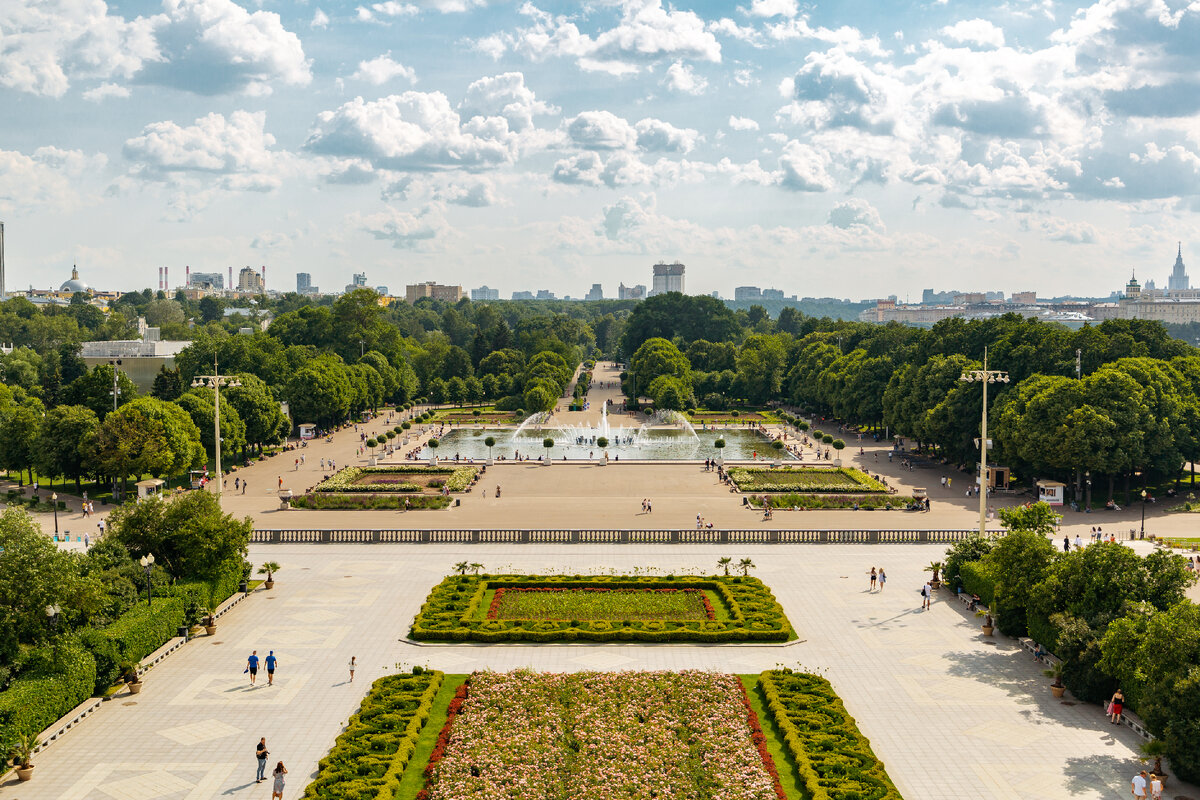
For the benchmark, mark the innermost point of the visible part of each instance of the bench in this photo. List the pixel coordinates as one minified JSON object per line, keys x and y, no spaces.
{"x":1049,"y":659}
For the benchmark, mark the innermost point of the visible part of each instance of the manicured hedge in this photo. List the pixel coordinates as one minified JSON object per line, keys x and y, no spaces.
{"x":829,"y":480}
{"x":458,"y":479}
{"x":977,"y":580}
{"x":865,"y":502}
{"x":335,"y":502}
{"x":369,"y":757}
{"x":450,"y":613}
{"x":834,"y":760}
{"x":43,"y":694}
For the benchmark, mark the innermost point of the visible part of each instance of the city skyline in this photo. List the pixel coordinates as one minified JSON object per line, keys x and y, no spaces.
{"x":1034,"y":146}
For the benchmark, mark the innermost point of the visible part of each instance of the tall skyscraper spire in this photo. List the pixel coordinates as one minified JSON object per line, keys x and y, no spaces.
{"x":1179,"y":278}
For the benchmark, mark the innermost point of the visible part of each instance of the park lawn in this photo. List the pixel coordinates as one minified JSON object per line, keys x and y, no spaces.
{"x":719,"y":607}
{"x":591,"y":604}
{"x":765,"y":416}
{"x":413,"y":779}
{"x":789,"y":777}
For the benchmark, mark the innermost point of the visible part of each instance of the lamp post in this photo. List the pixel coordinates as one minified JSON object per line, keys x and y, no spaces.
{"x":1143,"y":533}
{"x":115,"y":363}
{"x":52,"y":612}
{"x":147,"y":562}
{"x":215,"y":382}
{"x":54,"y":501}
{"x":984,"y":376}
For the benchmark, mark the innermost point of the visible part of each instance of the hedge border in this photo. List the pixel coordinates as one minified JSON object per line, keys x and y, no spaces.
{"x":814,"y":746}
{"x":448,"y":613}
{"x":384,"y":730}
{"x":742,"y":477}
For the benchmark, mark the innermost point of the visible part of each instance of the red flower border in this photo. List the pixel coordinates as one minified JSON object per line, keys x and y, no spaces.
{"x":760,"y":741}
{"x":494,"y":608}
{"x":443,"y":740}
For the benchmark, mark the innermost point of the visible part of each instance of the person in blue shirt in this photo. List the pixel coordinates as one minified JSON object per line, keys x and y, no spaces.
{"x":252,"y":666}
{"x":271,"y":662}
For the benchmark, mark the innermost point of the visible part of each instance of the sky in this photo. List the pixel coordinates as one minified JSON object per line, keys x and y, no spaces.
{"x":848,"y":149}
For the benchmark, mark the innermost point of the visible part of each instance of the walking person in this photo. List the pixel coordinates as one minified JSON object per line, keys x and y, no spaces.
{"x":1116,"y":705}
{"x":874,"y":577}
{"x":926,"y":595}
{"x":1156,"y":787}
{"x":277,"y":788}
{"x":261,"y":753}
{"x":243,"y":487}
{"x":882,"y":578}
{"x":252,"y":666}
{"x":353,"y":665}
{"x":1138,"y":786}
{"x":271,"y":661}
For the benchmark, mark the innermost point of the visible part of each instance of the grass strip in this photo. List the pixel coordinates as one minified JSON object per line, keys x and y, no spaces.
{"x":789,"y":777}
{"x":413,"y":779}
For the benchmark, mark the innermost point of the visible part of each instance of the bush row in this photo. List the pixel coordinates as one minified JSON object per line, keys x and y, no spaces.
{"x":358,"y":501}
{"x":805,"y":479}
{"x":64,"y":677}
{"x":451,"y":612}
{"x":346,"y":480}
{"x":867,"y":502}
{"x":834,"y":760}
{"x":369,"y":757}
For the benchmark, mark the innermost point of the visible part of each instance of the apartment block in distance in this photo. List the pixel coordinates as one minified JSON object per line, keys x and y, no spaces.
{"x":667,"y":278}
{"x":415,"y":291}
{"x":485,"y":293}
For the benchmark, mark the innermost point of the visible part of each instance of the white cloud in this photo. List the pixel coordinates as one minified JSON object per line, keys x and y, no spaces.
{"x":320,"y":20}
{"x":601,"y":130}
{"x":393,"y":9}
{"x":104,"y":91}
{"x":979,"y":32}
{"x":583,"y":169}
{"x":412,"y":131}
{"x":855,"y":212}
{"x":774,"y":8}
{"x":404,"y":229}
{"x":654,"y":134}
{"x":237,"y":149}
{"x":682,"y":78}
{"x":382,"y":69}
{"x":506,"y":96}
{"x":476,"y":193}
{"x":803,"y":169}
{"x":742,"y":124}
{"x":47,"y":179}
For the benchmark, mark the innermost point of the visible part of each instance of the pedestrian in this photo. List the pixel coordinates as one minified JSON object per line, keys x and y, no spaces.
{"x":252,"y":666}
{"x":1116,"y":705}
{"x":1139,"y":784}
{"x":100,"y":525}
{"x":882,"y":578}
{"x":261,"y":753}
{"x":271,"y":662}
{"x":1156,"y":787}
{"x":949,"y":481}
{"x":302,"y":459}
{"x":643,"y":505}
{"x":86,"y":542}
{"x":352,"y":665}
{"x":322,"y":465}
{"x":243,"y":487}
{"x":1066,"y":544}
{"x":874,"y":577}
{"x":1078,"y":542}
{"x":649,"y":506}
{"x":277,"y":789}
{"x":237,"y":484}
{"x":280,"y":481}
{"x":926,"y":594}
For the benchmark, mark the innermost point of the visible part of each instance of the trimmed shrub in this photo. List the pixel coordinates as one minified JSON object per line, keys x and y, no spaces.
{"x":64,"y":678}
{"x":978,"y":579}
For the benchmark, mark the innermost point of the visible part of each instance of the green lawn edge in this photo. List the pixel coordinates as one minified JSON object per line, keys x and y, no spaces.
{"x":789,"y":776}
{"x":413,"y":779}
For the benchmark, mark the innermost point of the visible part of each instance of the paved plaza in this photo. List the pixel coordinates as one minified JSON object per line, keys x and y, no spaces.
{"x":951,"y":713}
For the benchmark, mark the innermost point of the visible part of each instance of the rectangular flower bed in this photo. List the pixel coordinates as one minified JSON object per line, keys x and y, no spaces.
{"x":744,"y":610}
{"x":534,"y":736}
{"x":828,"y":480}
{"x":398,"y":478}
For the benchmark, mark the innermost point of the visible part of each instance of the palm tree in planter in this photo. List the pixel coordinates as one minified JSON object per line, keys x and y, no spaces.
{"x":130,"y":676}
{"x":269,"y":568}
{"x":462,"y":567}
{"x":490,"y":442}
{"x":20,"y":751}
{"x":935,"y":568}
{"x":475,"y":567}
{"x":547,"y":443}
{"x":745,"y":565}
{"x":1055,"y":671}
{"x":724,"y":563}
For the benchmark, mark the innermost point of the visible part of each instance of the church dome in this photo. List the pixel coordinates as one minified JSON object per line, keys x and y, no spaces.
{"x":75,"y":284}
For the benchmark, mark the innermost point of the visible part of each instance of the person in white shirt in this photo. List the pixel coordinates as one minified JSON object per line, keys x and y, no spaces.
{"x":1156,"y":787}
{"x":1139,"y":784}
{"x":1078,"y":542}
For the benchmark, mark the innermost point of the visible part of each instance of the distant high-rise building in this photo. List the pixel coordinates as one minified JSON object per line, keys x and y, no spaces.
{"x":667,"y":278}
{"x":1133,"y":290}
{"x":595,"y":294}
{"x":485,"y":293}
{"x":1024,"y":298}
{"x":303,"y":283}
{"x":772,"y":294}
{"x":522,"y":295}
{"x":436,"y":291}
{"x":1178,"y":282}
{"x":359,"y":281}
{"x":249,"y":280}
{"x":967,"y":298}
{"x":205,"y":280}
{"x":631,"y":292}
{"x":381,"y":290}
{"x":747,"y":293}
{"x":545,"y":294}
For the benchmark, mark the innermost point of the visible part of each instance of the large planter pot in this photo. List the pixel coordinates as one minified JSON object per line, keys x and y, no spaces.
{"x":269,"y":584}
{"x":211,"y":630}
{"x":25,"y":773}
{"x":135,"y":687}
{"x":987,"y":630}
{"x":1057,"y":691}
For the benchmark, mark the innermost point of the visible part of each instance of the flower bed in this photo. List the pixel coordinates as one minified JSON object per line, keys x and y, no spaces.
{"x":372,"y":480}
{"x":595,"y":603}
{"x":834,"y":760}
{"x":370,"y":755}
{"x":527,"y":736}
{"x":455,"y":611}
{"x":829,"y":480}
{"x":865,"y":502}
{"x":360,"y":502}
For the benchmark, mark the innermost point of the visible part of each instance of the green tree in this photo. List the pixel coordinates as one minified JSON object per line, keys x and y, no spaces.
{"x":19,"y":428}
{"x":211,"y":309}
{"x":1038,"y":518}
{"x":199,"y":404}
{"x":1017,"y":562}
{"x":264,"y":420}
{"x":657,"y":358}
{"x":190,"y":537}
{"x":320,"y":393}
{"x":147,"y":436}
{"x":94,"y":390}
{"x":65,"y":442}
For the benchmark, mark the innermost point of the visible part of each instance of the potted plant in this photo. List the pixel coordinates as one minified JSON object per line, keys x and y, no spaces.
{"x":988,"y":623}
{"x":130,"y":676}
{"x":269,"y":568}
{"x":720,"y":445}
{"x":1056,"y":671}
{"x":193,"y":613}
{"x":433,"y":445}
{"x":1156,"y":749}
{"x":489,"y":443}
{"x":936,"y":567}
{"x":547,"y":443}
{"x":21,"y":753}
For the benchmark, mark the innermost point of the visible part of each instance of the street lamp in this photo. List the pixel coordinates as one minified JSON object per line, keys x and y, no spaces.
{"x":52,"y":612}
{"x":985,"y":377}
{"x":54,"y":500}
{"x":147,"y":562}
{"x":215,"y":382}
{"x":1143,"y":533}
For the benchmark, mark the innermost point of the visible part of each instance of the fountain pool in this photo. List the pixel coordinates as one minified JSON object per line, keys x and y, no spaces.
{"x":576,"y":442}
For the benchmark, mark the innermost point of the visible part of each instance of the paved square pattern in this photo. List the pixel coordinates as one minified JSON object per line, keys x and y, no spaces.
{"x":951,"y":713}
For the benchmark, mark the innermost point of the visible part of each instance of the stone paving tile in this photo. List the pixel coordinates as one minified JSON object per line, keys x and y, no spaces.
{"x":952,"y":714}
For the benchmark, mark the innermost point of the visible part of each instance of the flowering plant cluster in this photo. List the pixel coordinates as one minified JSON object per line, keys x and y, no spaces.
{"x":457,"y":610}
{"x":598,"y":602}
{"x":350,"y":479}
{"x":834,"y":760}
{"x":805,"y":479}
{"x":621,"y":736}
